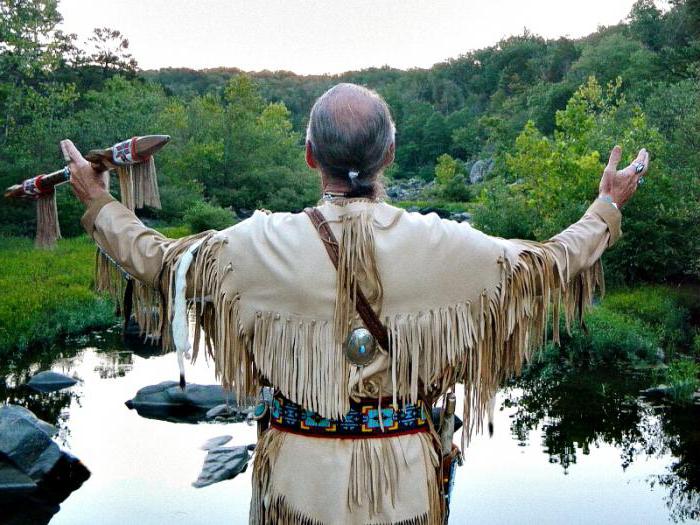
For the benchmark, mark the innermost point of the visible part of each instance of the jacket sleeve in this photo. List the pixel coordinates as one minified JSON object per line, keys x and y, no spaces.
{"x":123,"y":237}
{"x":580,"y":245}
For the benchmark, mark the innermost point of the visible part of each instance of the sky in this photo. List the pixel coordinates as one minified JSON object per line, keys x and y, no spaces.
{"x":327,"y":36}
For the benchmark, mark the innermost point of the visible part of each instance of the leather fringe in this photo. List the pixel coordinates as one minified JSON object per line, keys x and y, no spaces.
{"x":109,"y":279}
{"x":126,"y":186}
{"x":138,"y":184}
{"x":145,"y":179}
{"x":356,"y":264}
{"x":373,"y":471}
{"x":483,"y":344}
{"x":48,"y":230}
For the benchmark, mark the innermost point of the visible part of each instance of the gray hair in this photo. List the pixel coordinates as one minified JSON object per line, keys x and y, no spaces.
{"x":351,"y":132}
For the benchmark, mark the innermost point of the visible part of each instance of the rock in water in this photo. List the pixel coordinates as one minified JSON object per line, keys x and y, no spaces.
{"x":224,"y":411}
{"x":33,"y":468}
{"x":215,"y":442}
{"x":222,"y":463}
{"x":167,"y":401}
{"x":26,"y":441}
{"x":13,"y":480}
{"x":49,"y":381}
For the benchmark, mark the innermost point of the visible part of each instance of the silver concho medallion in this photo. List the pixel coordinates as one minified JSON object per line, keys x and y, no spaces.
{"x":361,"y":347}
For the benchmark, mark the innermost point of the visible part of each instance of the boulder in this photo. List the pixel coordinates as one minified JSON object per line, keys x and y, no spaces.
{"x":13,"y":480}
{"x":225,"y":412}
{"x":49,"y":381}
{"x":33,"y":468}
{"x":167,"y":401}
{"x":222,"y":463}
{"x":480,"y":169}
{"x":215,"y":442}
{"x":26,"y":441}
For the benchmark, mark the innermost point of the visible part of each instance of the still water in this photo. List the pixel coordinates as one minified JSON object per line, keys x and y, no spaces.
{"x":569,"y":447}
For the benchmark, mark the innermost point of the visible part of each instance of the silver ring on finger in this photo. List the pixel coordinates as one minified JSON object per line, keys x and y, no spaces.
{"x":640,"y":181}
{"x":638,"y":167}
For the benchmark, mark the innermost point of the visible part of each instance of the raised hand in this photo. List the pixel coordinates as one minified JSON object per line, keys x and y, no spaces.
{"x":87,"y":182}
{"x":618,"y":186}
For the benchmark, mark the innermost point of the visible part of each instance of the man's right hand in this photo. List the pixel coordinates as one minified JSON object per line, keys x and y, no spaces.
{"x":88,"y":184}
{"x":618,"y":186}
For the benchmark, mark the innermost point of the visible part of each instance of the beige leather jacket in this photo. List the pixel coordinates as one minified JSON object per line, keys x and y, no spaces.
{"x":459,"y":305}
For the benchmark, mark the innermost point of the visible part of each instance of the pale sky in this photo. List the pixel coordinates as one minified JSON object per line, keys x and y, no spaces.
{"x":327,"y":36}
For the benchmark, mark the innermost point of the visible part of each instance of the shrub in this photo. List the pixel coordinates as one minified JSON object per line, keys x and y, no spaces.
{"x":660,"y":308}
{"x":204,"y":216}
{"x":682,"y":377}
{"x":612,"y":336}
{"x":503,"y":211}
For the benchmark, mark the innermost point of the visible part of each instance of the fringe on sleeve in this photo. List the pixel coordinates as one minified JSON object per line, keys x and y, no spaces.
{"x":483,"y":344}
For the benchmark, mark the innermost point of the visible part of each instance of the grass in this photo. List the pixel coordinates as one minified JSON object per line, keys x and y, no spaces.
{"x":682,"y":376}
{"x":633,"y":325}
{"x":48,"y":294}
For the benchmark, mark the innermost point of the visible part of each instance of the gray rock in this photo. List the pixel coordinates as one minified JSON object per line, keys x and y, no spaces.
{"x":35,"y":475}
{"x":49,"y":381}
{"x":657,"y":392}
{"x":480,"y":169}
{"x":13,"y":480}
{"x":222,"y":463}
{"x":26,"y":441}
{"x":461,"y":217}
{"x":223,"y":411}
{"x":169,"y":393}
{"x":215,"y":442}
{"x":406,"y":190}
{"x":167,"y":401}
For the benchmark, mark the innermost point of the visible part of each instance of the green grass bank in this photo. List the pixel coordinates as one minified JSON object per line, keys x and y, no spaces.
{"x":48,"y":294}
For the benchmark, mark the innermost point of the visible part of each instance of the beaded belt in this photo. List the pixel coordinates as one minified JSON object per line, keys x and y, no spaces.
{"x":363,"y":420}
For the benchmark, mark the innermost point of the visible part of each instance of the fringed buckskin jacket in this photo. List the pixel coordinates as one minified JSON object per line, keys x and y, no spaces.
{"x":459,"y":306}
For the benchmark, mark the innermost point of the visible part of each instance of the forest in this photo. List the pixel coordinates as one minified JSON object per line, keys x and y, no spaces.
{"x":515,"y":135}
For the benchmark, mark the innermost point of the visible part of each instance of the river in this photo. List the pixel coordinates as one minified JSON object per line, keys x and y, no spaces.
{"x":570,"y":446}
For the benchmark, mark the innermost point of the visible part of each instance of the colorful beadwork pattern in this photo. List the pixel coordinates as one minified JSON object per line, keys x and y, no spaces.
{"x":362,"y":421}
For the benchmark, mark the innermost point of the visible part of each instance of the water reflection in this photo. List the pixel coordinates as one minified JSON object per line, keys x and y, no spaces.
{"x":608,"y":457}
{"x":576,"y":410}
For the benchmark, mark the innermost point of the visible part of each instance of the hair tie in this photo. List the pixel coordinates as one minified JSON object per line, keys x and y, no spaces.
{"x":353,"y":174}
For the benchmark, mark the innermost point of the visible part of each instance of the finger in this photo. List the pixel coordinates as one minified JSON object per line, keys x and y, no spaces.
{"x":64,"y":150}
{"x":647,"y":160}
{"x":70,"y":152}
{"x":633,"y":168}
{"x":615,"y":156}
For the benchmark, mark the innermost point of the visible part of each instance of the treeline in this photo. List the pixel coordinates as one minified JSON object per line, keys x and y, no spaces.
{"x":537,"y":116}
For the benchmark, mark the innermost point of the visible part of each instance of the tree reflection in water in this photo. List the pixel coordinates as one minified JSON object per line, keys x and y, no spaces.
{"x":579,"y":409}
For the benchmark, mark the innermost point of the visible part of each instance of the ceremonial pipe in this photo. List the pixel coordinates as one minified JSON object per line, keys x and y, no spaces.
{"x":125,"y":153}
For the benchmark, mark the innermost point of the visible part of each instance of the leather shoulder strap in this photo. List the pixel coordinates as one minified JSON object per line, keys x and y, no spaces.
{"x":368,"y":316}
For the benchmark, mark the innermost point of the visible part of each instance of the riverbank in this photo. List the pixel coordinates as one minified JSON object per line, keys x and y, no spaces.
{"x":48,"y":294}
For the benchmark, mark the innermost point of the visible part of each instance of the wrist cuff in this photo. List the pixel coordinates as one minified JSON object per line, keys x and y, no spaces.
{"x":93,"y":209}
{"x":610,"y":215}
